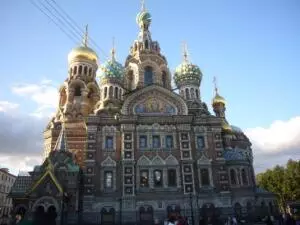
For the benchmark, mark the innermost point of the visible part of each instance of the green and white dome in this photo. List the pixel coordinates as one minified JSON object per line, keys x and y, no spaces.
{"x":143,"y":17}
{"x":187,"y":73}
{"x":111,"y":69}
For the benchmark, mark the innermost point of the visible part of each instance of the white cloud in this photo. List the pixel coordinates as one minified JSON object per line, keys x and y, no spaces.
{"x":6,"y":106}
{"x":44,"y":94}
{"x":275,"y":144}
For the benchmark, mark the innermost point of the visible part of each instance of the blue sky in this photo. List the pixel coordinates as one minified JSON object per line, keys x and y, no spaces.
{"x":251,"y":46}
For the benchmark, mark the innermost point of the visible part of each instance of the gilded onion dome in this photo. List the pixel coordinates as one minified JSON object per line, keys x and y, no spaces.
{"x":226,"y":127}
{"x":83,"y":51}
{"x":218,"y":99}
{"x":187,"y":73}
{"x":111,"y":69}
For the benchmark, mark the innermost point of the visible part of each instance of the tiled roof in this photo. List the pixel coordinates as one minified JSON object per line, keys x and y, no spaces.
{"x":234,"y":154}
{"x":21,"y":184}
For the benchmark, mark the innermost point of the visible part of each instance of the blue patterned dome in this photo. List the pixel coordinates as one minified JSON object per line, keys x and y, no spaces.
{"x":187,"y":73}
{"x":112,"y":68}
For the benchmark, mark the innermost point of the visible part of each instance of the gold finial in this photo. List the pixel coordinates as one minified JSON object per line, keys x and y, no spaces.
{"x":216,"y":86}
{"x":143,"y":5}
{"x":185,"y":52}
{"x":113,"y":50}
{"x":85,"y":36}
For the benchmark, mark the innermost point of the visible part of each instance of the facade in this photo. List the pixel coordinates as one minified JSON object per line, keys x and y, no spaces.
{"x":130,"y":148}
{"x":6,"y":182}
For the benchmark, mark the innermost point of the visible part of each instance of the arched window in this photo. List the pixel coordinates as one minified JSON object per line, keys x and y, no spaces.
{"x":158,"y":178}
{"x":148,"y":76}
{"x":233,"y":177}
{"x":146,"y":44}
{"x":105,"y":92}
{"x":130,"y":80}
{"x":244,"y":177}
{"x":164,"y":79}
{"x":116,"y":92}
{"x":197,"y":94}
{"x":192,"y":93}
{"x":90,"y":71}
{"x":204,"y":177}
{"x":110,"y":92}
{"x":75,"y":70}
{"x":187,"y":93}
{"x":80,"y":69}
{"x":77,"y":92}
{"x":85,"y":70}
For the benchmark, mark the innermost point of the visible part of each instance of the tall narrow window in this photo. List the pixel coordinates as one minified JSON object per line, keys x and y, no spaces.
{"x":164,"y":79}
{"x":90,"y":71}
{"x":109,"y":142}
{"x":187,"y":93}
{"x":156,"y":141}
{"x":172,"y":177}
{"x":116,"y":92}
{"x":233,"y":177}
{"x":200,"y":142}
{"x":143,"y":141}
{"x":192,"y":93}
{"x":80,"y":69}
{"x":108,"y":179}
{"x":75,"y":70}
{"x":205,"y":181}
{"x":144,"y":178}
{"x":169,"y":141}
{"x":244,"y":177}
{"x":110,"y":92}
{"x":157,"y":174}
{"x":197,"y":94}
{"x":85,"y":70}
{"x":130,"y":80}
{"x":146,"y":44}
{"x":77,"y":92}
{"x":148,"y":76}
{"x":105,"y":92}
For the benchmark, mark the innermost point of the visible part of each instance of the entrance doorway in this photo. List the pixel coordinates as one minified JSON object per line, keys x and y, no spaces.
{"x":146,"y":215}
{"x":108,"y":216}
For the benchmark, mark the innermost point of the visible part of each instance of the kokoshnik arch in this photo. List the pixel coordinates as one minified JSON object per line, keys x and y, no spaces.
{"x":128,"y":148}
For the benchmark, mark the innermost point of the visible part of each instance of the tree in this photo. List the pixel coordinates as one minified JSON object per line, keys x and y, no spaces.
{"x":282,"y":181}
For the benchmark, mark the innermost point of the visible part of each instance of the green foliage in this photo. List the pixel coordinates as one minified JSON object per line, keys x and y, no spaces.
{"x":282,"y":181}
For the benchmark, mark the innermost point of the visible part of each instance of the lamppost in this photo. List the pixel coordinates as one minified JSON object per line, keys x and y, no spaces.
{"x":192,"y":211}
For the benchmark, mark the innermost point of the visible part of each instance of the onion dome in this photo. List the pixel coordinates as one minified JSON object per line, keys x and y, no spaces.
{"x":226,"y":127}
{"x":83,"y":52}
{"x":187,"y":73}
{"x":218,"y":99}
{"x":143,"y":18}
{"x":236,"y":129}
{"x":111,"y":69}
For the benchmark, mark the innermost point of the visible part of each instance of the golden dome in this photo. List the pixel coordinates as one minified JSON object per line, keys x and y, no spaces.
{"x":83,"y":52}
{"x":218,"y":99}
{"x":226,"y":127}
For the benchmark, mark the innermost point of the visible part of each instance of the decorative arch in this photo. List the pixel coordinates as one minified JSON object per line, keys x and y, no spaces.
{"x":76,"y":83}
{"x":158,"y":161}
{"x":144,"y":161}
{"x":156,"y":100}
{"x":46,"y":202}
{"x":109,"y":162}
{"x":171,"y":161}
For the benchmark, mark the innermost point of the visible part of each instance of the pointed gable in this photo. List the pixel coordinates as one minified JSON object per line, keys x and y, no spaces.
{"x":61,"y":143}
{"x":171,"y":161}
{"x":203,"y":160}
{"x":109,"y":162}
{"x":144,"y":161}
{"x":158,"y":161}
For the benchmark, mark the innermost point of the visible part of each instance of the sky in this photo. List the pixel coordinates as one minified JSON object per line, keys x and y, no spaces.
{"x":251,"y":46}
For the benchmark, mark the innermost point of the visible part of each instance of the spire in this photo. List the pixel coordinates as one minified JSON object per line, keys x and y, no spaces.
{"x":61,"y":143}
{"x":216,"y":86}
{"x":143,"y":5}
{"x":113,"y":50}
{"x":185,"y":52}
{"x":85,"y":36}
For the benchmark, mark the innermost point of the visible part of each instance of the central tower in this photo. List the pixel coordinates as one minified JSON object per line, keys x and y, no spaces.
{"x":145,"y":64}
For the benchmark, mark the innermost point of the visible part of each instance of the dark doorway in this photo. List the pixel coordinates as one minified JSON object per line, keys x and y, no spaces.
{"x":173,"y":211}
{"x":108,"y":216}
{"x":146,"y":215}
